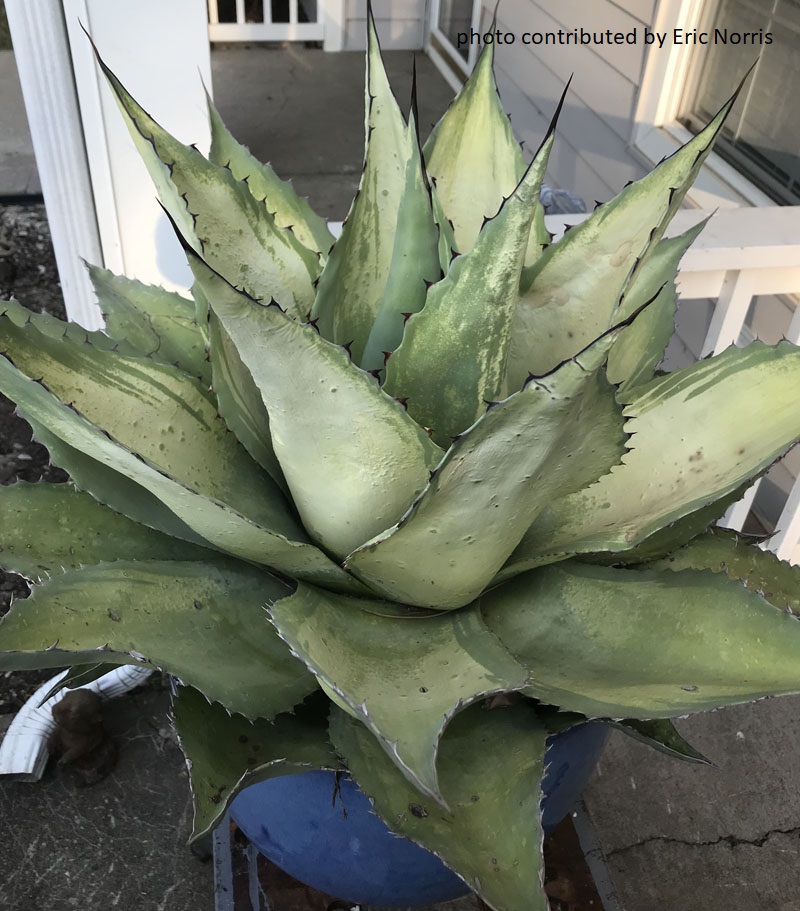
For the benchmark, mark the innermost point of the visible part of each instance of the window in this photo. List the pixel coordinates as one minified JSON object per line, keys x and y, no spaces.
{"x":761,"y":138}
{"x":455,"y":16}
{"x":450,"y":22}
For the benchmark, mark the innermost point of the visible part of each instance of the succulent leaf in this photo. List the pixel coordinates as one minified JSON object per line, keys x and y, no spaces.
{"x":723,"y":551}
{"x":164,"y":614}
{"x":353,"y":459}
{"x":572,"y":292}
{"x":447,"y":242}
{"x":150,"y":409}
{"x":45,"y":528}
{"x":239,"y":401}
{"x":491,"y":833}
{"x":81,"y":675}
{"x":388,"y":247}
{"x":688,"y":424}
{"x":475,"y":162}
{"x":640,"y":348}
{"x":620,"y":643}
{"x":157,"y":323}
{"x":226,"y":753}
{"x":122,"y":480}
{"x":453,"y":356}
{"x":662,"y":735}
{"x":403,"y":675}
{"x":415,"y":263}
{"x":289,"y":209}
{"x":105,"y":484}
{"x":219,"y":215}
{"x":13,"y":313}
{"x":496,"y":477}
{"x":669,"y":538}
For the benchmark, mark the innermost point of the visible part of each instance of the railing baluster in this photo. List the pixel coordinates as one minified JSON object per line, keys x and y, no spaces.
{"x":793,"y":333}
{"x":289,"y":28}
{"x":736,"y":515}
{"x":730,"y":312}
{"x":787,"y":532}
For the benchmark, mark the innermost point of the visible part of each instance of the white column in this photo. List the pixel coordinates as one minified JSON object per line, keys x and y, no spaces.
{"x":160,"y":52}
{"x":41,"y":51}
{"x":100,"y":201}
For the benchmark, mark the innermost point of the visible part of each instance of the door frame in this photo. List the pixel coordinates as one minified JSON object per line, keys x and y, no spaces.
{"x":440,"y":49}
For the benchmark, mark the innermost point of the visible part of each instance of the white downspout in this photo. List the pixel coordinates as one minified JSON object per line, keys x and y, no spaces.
{"x":24,"y":749}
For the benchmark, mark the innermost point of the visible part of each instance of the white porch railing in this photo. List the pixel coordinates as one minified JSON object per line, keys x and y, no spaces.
{"x":255,"y":20}
{"x":741,"y":253}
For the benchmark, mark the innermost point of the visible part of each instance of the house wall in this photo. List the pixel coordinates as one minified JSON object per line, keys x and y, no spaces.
{"x":592,"y":155}
{"x":400,"y":23}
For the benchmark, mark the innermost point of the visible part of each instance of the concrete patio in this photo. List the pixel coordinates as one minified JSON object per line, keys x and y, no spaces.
{"x":18,"y":176}
{"x":675,"y":836}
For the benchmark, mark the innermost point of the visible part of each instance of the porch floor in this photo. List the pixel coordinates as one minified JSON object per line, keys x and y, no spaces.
{"x":302,"y":110}
{"x":676,"y":837}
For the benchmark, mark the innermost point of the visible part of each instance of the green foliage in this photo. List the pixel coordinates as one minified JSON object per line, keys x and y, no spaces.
{"x":431,"y":466}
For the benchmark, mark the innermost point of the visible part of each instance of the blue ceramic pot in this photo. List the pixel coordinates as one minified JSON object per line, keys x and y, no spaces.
{"x":294,"y":821}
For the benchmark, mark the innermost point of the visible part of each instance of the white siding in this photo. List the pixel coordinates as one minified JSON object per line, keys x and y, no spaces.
{"x":592,"y":156}
{"x":643,"y":10}
{"x":400,"y":23}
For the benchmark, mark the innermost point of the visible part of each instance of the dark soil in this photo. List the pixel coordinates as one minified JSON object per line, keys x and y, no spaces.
{"x":28,"y":274}
{"x":5,"y":35}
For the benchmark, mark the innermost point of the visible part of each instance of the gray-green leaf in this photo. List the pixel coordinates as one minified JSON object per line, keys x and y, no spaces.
{"x":403,"y":675}
{"x":378,"y":269}
{"x":622,"y":643}
{"x":226,"y":753}
{"x":689,"y":424}
{"x":491,"y":764}
{"x":159,"y":324}
{"x":45,"y":528}
{"x":559,"y":434}
{"x":352,"y":458}
{"x":203,"y":622}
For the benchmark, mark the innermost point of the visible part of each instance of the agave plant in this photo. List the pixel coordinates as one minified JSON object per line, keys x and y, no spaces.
{"x":424,"y":465}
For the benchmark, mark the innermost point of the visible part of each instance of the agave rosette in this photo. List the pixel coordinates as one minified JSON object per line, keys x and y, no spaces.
{"x":424,"y":465}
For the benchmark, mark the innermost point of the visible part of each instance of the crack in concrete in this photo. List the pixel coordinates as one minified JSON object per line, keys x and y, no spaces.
{"x":732,"y":841}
